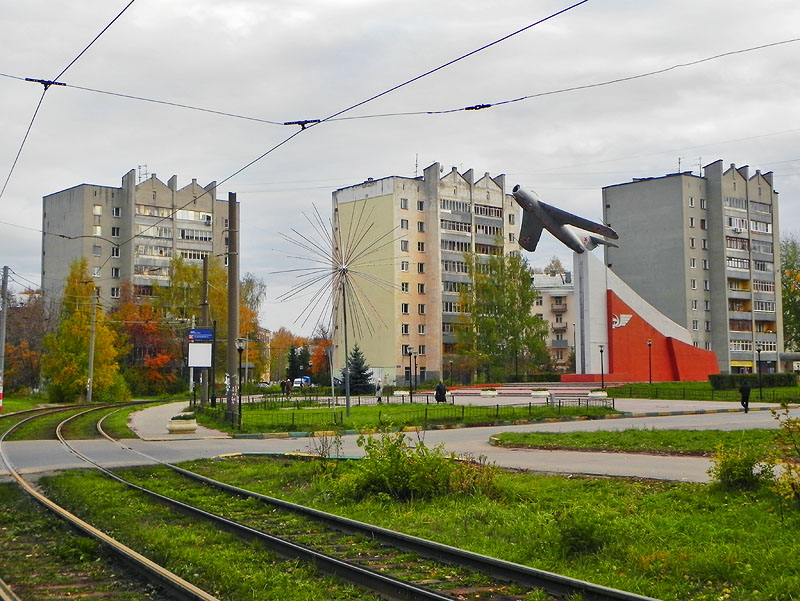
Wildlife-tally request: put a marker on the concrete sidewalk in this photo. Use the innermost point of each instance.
(151, 424)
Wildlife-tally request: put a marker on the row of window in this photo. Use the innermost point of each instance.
(114, 272)
(97, 211)
(404, 204)
(739, 263)
(152, 211)
(747, 345)
(455, 226)
(404, 308)
(198, 235)
(404, 266)
(404, 329)
(154, 231)
(488, 211)
(741, 203)
(405, 288)
(97, 251)
(97, 230)
(693, 263)
(741, 224)
(693, 284)
(404, 246)
(456, 245)
(408, 349)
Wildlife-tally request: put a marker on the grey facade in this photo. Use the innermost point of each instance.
(130, 233)
(705, 251)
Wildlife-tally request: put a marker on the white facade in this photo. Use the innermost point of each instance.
(556, 305)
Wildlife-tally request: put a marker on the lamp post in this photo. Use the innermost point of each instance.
(602, 370)
(502, 346)
(415, 369)
(451, 372)
(650, 358)
(410, 381)
(758, 364)
(240, 342)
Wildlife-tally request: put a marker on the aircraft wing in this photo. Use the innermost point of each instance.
(530, 231)
(563, 217)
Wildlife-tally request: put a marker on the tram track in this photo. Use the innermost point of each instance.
(392, 564)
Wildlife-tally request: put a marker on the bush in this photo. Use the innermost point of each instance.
(741, 468)
(733, 381)
(787, 484)
(394, 469)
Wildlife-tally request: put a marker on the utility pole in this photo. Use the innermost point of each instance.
(233, 304)
(205, 323)
(3, 313)
(91, 350)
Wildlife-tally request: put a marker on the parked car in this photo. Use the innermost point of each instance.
(301, 382)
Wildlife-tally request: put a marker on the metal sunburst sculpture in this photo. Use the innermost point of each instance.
(339, 264)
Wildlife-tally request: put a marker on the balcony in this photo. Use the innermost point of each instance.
(559, 327)
(559, 344)
(558, 307)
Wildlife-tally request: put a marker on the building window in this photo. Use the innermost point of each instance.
(420, 288)
(421, 350)
(691, 221)
(420, 267)
(707, 305)
(511, 237)
(114, 292)
(708, 326)
(705, 264)
(404, 224)
(97, 210)
(115, 251)
(694, 324)
(97, 230)
(115, 232)
(95, 272)
(703, 203)
(706, 285)
(404, 329)
(404, 308)
(115, 273)
(96, 251)
(704, 244)
(692, 262)
(694, 305)
(511, 218)
(691, 201)
(703, 224)
(420, 226)
(404, 287)
(421, 247)
(421, 329)
(404, 245)
(421, 309)
(403, 265)
(420, 205)
(403, 203)
(691, 242)
(406, 352)
(693, 284)
(116, 212)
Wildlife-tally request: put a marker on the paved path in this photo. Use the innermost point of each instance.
(156, 442)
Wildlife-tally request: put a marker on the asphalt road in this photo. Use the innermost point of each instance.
(45, 456)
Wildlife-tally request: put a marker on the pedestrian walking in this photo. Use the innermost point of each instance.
(441, 393)
(744, 390)
(378, 392)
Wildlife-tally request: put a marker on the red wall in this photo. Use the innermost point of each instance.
(628, 358)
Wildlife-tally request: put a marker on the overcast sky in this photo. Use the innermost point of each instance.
(308, 59)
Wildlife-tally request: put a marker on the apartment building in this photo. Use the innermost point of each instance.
(403, 239)
(556, 306)
(129, 233)
(705, 251)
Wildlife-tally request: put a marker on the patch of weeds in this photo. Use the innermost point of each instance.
(741, 468)
(582, 532)
(77, 549)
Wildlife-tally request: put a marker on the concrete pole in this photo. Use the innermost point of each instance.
(89, 382)
(233, 305)
(204, 321)
(3, 313)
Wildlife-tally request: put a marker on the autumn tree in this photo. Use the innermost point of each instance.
(151, 356)
(497, 328)
(65, 364)
(790, 290)
(320, 365)
(25, 330)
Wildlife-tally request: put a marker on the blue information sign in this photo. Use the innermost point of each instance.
(201, 335)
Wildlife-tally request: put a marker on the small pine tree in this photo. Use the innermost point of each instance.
(360, 373)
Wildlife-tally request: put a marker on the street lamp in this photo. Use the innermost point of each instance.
(650, 358)
(760, 390)
(410, 381)
(240, 342)
(602, 370)
(451, 372)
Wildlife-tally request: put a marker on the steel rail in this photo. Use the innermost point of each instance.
(554, 584)
(175, 583)
(6, 594)
(373, 580)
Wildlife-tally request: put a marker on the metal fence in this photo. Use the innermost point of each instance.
(770, 395)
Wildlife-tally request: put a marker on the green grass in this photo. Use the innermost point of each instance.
(198, 552)
(371, 417)
(116, 424)
(682, 442)
(701, 391)
(43, 428)
(36, 548)
(667, 540)
(12, 404)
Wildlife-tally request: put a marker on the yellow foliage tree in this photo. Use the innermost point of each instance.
(65, 364)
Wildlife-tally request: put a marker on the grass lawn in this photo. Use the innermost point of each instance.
(634, 440)
(667, 540)
(701, 391)
(12, 404)
(256, 418)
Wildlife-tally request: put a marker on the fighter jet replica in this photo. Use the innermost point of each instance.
(537, 215)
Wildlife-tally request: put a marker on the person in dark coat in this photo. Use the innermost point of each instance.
(441, 393)
(744, 390)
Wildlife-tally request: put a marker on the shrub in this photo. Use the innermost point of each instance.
(787, 484)
(183, 416)
(733, 381)
(393, 468)
(740, 468)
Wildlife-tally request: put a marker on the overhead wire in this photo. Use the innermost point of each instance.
(47, 84)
